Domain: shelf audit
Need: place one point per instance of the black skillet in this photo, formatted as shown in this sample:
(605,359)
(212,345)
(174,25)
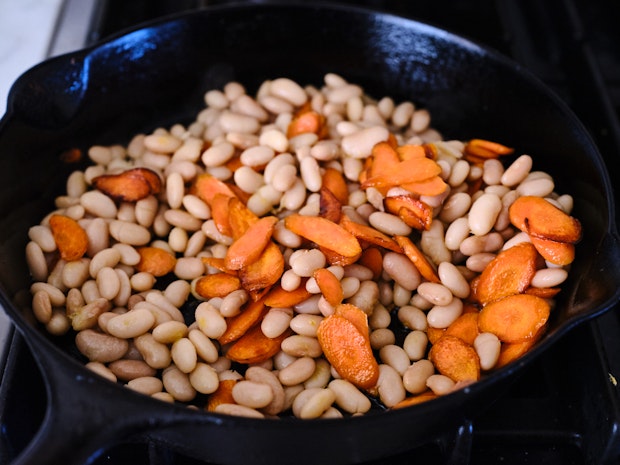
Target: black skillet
(156,76)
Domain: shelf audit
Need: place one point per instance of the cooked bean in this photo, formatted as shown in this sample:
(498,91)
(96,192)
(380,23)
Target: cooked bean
(366,296)
(483,213)
(395,356)
(178,384)
(101,370)
(301,346)
(98,204)
(252,394)
(210,320)
(441,316)
(154,351)
(389,224)
(415,344)
(440,384)
(453,279)
(204,378)
(37,264)
(549,277)
(435,293)
(390,386)
(487,347)
(131,324)
(129,233)
(147,385)
(381,337)
(276,321)
(402,270)
(298,371)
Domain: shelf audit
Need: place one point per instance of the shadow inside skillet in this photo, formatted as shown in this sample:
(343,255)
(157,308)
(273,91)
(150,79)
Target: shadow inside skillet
(157,76)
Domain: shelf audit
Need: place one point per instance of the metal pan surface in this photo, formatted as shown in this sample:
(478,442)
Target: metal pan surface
(155,76)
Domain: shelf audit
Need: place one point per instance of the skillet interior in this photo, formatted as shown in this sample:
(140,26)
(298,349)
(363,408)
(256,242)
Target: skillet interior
(156,76)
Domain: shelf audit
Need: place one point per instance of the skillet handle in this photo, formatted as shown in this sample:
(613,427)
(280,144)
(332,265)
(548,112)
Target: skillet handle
(86,414)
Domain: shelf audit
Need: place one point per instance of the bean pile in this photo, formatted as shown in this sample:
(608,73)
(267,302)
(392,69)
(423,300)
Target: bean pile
(147,257)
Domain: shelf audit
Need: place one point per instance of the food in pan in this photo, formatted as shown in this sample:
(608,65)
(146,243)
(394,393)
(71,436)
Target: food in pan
(306,251)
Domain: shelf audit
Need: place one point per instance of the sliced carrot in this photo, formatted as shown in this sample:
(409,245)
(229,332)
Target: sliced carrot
(222,395)
(510,272)
(540,218)
(334,181)
(455,359)
(220,213)
(155,260)
(414,212)
(424,266)
(278,297)
(383,157)
(255,347)
(265,271)
(70,238)
(206,186)
(238,325)
(219,264)
(514,318)
(372,259)
(486,149)
(348,351)
(248,247)
(369,234)
(434,334)
(558,253)
(130,185)
(430,150)
(216,285)
(329,285)
(324,233)
(355,315)
(543,292)
(415,400)
(407,171)
(240,217)
(408,151)
(329,205)
(465,327)
(432,186)
(308,121)
(334,258)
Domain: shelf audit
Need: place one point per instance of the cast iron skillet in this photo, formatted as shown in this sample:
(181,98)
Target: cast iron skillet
(155,76)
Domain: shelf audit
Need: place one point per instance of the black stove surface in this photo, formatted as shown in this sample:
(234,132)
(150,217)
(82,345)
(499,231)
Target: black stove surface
(565,408)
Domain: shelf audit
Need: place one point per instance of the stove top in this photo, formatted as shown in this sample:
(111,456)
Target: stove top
(564,408)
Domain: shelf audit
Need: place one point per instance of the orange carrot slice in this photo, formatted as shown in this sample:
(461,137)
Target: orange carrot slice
(324,233)
(514,318)
(414,212)
(155,260)
(334,181)
(329,205)
(335,258)
(70,238)
(369,234)
(222,395)
(372,259)
(455,359)
(219,264)
(255,347)
(486,149)
(510,272)
(408,151)
(278,297)
(434,334)
(465,327)
(558,253)
(220,213)
(206,186)
(415,400)
(238,325)
(309,121)
(216,285)
(540,218)
(355,315)
(248,247)
(432,186)
(418,258)
(265,271)
(348,351)
(130,185)
(240,217)
(407,171)
(383,157)
(329,285)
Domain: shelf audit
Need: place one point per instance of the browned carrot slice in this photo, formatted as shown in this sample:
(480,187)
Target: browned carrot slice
(372,259)
(220,213)
(465,327)
(455,359)
(418,258)
(510,272)
(309,121)
(407,171)
(434,334)
(334,181)
(70,238)
(558,253)
(264,272)
(130,185)
(334,258)
(219,264)
(329,205)
(355,315)
(278,297)
(408,151)
(206,186)
(369,234)
(348,351)
(329,285)
(216,285)
(155,260)
(255,347)
(222,395)
(412,211)
(540,218)
(238,325)
(543,292)
(514,318)
(248,247)
(324,233)
(486,149)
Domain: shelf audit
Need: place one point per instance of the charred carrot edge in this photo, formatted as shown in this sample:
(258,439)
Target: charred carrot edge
(372,259)
(417,257)
(129,186)
(329,206)
(334,181)
(415,400)
(369,234)
(265,271)
(486,149)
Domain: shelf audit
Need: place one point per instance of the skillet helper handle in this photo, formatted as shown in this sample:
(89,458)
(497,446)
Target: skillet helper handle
(86,414)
